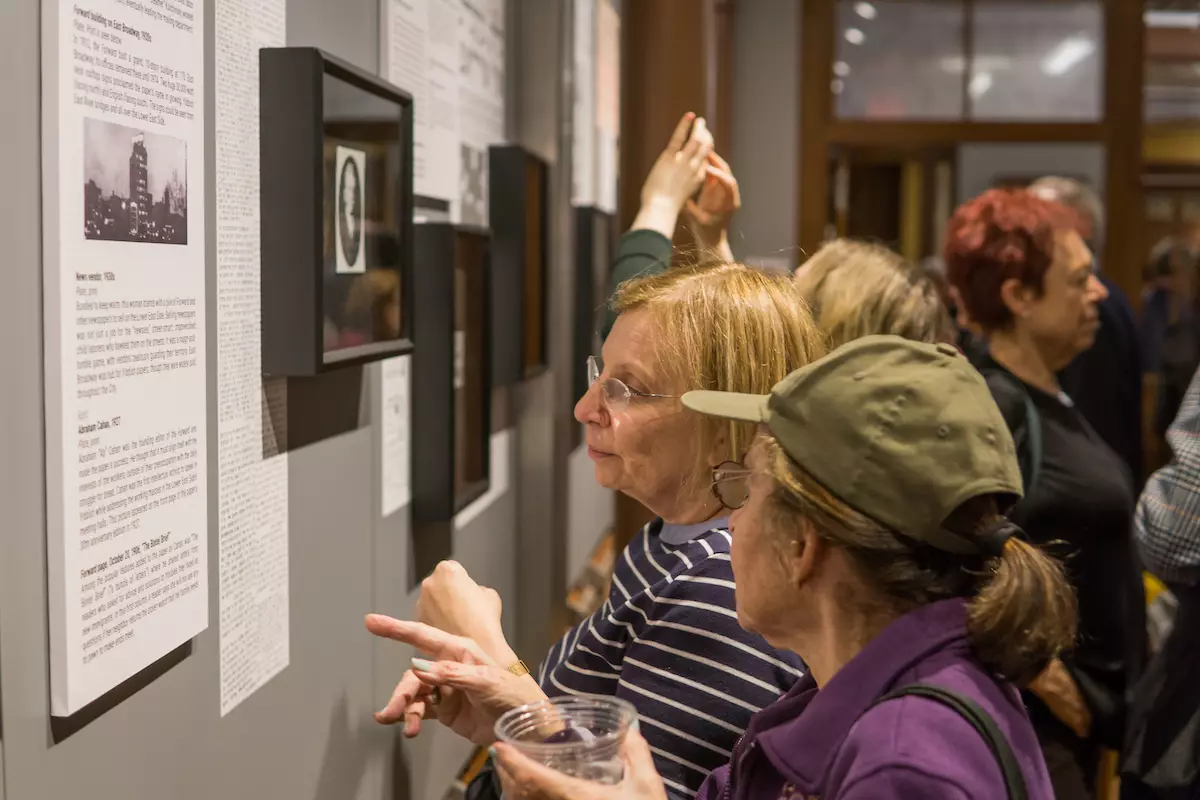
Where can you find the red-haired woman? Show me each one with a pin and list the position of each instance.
(1025, 278)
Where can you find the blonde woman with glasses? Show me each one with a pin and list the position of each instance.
(667, 639)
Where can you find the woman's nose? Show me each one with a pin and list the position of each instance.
(1097, 290)
(590, 408)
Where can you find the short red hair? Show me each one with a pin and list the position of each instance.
(1001, 235)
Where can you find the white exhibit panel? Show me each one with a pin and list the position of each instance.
(420, 55)
(396, 441)
(253, 589)
(583, 127)
(124, 304)
(480, 103)
(608, 104)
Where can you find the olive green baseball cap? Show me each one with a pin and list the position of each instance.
(901, 431)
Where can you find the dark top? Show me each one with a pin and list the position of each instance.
(640, 252)
(1105, 381)
(1081, 511)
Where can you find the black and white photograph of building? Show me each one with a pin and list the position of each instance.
(134, 184)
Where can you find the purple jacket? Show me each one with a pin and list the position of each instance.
(813, 743)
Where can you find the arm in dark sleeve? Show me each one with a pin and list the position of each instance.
(641, 252)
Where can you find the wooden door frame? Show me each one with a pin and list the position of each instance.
(1120, 129)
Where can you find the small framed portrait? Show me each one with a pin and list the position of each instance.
(351, 177)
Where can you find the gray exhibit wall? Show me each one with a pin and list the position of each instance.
(308, 733)
(765, 150)
(981, 165)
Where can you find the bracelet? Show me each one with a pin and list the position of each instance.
(519, 668)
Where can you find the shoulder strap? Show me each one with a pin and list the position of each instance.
(968, 709)
(1033, 426)
(1031, 460)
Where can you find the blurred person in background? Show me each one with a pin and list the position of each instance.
(858, 288)
(1170, 326)
(1104, 381)
(1162, 754)
(1025, 276)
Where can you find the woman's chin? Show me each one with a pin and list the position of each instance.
(608, 475)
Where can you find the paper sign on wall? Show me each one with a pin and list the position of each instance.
(396, 449)
(420, 48)
(253, 591)
(125, 373)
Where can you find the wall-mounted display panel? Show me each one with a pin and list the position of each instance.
(125, 305)
(472, 364)
(451, 379)
(595, 248)
(520, 248)
(337, 201)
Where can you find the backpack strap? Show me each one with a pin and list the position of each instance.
(1033, 427)
(981, 721)
(1028, 440)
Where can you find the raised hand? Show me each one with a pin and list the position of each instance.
(709, 214)
(676, 175)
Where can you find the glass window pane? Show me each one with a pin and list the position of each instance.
(1037, 60)
(900, 59)
(1172, 91)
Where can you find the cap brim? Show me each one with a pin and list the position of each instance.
(728, 405)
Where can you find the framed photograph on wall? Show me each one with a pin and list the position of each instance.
(520, 249)
(595, 248)
(451, 381)
(472, 365)
(337, 200)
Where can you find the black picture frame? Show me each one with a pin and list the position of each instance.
(441, 248)
(595, 250)
(519, 203)
(292, 140)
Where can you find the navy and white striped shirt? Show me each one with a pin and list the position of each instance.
(668, 641)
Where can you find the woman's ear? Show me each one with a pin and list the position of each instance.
(720, 449)
(804, 553)
(1017, 297)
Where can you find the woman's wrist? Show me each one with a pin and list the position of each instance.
(712, 244)
(657, 213)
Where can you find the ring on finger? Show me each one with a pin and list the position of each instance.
(435, 696)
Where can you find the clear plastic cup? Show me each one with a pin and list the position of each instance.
(578, 736)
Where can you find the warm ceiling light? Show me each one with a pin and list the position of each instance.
(1069, 52)
(855, 36)
(865, 10)
(841, 69)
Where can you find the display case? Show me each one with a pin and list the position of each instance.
(336, 148)
(520, 248)
(451, 371)
(595, 249)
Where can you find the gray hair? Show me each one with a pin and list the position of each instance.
(1077, 196)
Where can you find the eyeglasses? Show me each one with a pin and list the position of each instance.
(616, 394)
(731, 484)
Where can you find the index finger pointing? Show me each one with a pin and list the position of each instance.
(423, 637)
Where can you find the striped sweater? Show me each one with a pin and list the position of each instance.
(668, 641)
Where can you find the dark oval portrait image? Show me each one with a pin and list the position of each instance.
(350, 211)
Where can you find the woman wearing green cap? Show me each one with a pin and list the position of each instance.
(869, 539)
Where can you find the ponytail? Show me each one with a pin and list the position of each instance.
(1023, 613)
